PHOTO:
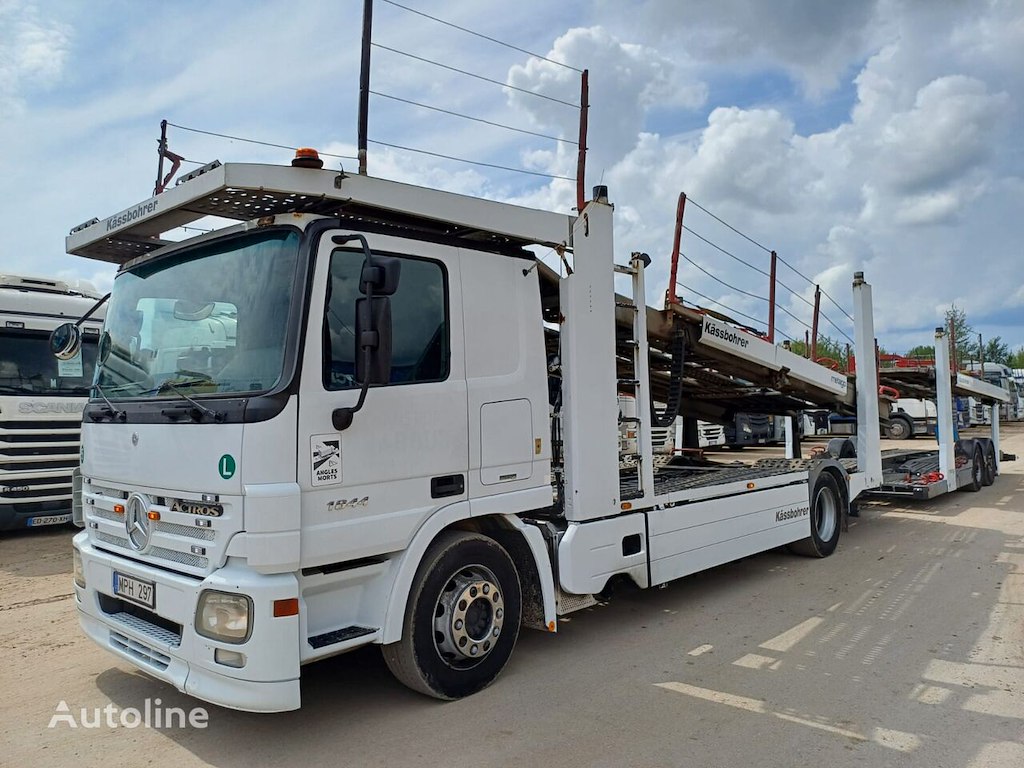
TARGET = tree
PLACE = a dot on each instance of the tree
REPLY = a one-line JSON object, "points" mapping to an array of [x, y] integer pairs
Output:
{"points": [[827, 349], [996, 351], [1016, 360], [922, 352], [965, 340]]}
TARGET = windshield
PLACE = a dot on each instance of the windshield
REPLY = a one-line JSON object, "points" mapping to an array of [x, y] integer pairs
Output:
{"points": [[28, 368], [211, 320]]}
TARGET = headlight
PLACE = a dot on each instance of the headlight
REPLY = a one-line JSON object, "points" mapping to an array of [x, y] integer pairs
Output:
{"points": [[76, 559], [223, 616]]}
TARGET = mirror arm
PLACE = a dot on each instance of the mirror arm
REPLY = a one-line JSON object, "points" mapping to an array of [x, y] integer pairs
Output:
{"points": [[341, 418], [95, 306]]}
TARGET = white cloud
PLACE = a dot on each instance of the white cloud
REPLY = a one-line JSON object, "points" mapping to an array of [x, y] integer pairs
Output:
{"points": [[626, 81], [33, 52], [911, 172]]}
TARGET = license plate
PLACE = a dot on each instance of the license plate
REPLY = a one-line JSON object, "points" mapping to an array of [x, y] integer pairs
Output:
{"points": [[135, 590], [48, 520]]}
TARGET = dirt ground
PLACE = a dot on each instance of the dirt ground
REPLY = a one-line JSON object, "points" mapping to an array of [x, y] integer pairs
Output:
{"points": [[905, 648]]}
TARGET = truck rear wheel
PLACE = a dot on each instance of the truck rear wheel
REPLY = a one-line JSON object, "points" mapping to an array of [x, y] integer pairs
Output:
{"points": [[991, 470], [977, 471], [462, 618], [825, 519]]}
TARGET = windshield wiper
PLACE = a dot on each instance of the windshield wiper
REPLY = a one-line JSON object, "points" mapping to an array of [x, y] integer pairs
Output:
{"points": [[12, 389], [115, 414], [198, 410]]}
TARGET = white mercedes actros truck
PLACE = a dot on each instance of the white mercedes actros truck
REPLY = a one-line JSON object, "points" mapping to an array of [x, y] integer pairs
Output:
{"points": [[369, 413], [41, 398]]}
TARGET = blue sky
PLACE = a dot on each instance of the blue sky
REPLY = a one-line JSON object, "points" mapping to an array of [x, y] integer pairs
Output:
{"points": [[880, 136]]}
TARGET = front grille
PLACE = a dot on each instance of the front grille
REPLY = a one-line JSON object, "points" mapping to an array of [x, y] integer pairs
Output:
{"points": [[191, 531], [161, 553], [50, 438], [139, 651], [22, 466], [117, 541], [183, 558], [39, 426]]}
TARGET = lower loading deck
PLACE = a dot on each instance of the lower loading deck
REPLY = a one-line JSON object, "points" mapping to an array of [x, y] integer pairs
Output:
{"points": [[915, 473], [673, 479]]}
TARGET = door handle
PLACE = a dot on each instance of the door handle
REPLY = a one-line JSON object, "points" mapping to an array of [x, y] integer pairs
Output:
{"points": [[447, 485]]}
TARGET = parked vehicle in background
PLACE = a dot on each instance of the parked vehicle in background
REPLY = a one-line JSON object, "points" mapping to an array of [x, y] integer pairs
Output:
{"points": [[41, 398], [911, 417], [1000, 376]]}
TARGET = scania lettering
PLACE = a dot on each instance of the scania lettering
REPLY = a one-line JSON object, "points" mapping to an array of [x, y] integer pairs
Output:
{"points": [[366, 381], [41, 399]]}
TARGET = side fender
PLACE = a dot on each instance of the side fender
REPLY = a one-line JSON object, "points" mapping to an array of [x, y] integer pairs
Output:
{"points": [[447, 517]]}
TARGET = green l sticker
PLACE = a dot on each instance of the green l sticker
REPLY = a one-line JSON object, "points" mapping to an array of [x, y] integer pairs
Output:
{"points": [[226, 466]]}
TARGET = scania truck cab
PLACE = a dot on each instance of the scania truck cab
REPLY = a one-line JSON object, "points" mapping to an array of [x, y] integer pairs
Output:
{"points": [[41, 398]]}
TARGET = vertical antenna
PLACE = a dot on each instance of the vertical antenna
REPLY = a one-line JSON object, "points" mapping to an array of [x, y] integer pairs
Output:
{"points": [[814, 330], [364, 84], [160, 151]]}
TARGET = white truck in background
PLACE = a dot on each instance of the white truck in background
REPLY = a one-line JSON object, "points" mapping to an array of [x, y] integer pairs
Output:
{"points": [[910, 417], [41, 398], [998, 375]]}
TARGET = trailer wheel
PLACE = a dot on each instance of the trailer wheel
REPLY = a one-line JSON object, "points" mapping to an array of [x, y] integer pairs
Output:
{"points": [[977, 471], [991, 469], [462, 619], [900, 428], [825, 519]]}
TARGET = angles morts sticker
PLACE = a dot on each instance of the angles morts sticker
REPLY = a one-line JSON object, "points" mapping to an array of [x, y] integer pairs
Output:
{"points": [[325, 459]]}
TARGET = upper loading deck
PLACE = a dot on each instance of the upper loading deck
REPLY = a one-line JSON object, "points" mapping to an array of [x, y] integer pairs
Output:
{"points": [[727, 368]]}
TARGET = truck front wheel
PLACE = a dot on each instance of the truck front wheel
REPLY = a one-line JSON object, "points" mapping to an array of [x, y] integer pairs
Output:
{"points": [[462, 618], [900, 428]]}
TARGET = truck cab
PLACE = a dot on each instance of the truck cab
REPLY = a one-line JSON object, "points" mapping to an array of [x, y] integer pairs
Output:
{"points": [[41, 398]]}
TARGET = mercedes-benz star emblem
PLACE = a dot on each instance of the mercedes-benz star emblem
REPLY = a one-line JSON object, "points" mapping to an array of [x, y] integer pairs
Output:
{"points": [[136, 521], [135, 438]]}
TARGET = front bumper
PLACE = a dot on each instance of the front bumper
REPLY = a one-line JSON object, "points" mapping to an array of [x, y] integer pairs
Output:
{"points": [[163, 642]]}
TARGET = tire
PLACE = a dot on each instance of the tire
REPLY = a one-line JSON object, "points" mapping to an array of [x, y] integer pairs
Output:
{"points": [[991, 470], [736, 446], [826, 503], [841, 448], [465, 580], [900, 429], [977, 471]]}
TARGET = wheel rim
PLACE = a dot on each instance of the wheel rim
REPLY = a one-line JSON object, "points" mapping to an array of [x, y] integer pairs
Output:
{"points": [[825, 513], [898, 429], [990, 463], [468, 617], [978, 471]]}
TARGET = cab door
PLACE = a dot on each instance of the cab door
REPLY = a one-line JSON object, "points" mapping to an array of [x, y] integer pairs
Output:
{"points": [[367, 489]]}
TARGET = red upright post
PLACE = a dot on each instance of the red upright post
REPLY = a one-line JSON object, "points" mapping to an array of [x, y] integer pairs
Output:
{"points": [[581, 155], [670, 292]]}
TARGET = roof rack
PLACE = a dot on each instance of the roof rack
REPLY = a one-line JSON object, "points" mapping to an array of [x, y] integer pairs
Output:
{"points": [[246, 191]]}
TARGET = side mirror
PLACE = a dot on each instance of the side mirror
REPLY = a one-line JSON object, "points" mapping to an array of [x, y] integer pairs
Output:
{"points": [[373, 332], [383, 274], [66, 341]]}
